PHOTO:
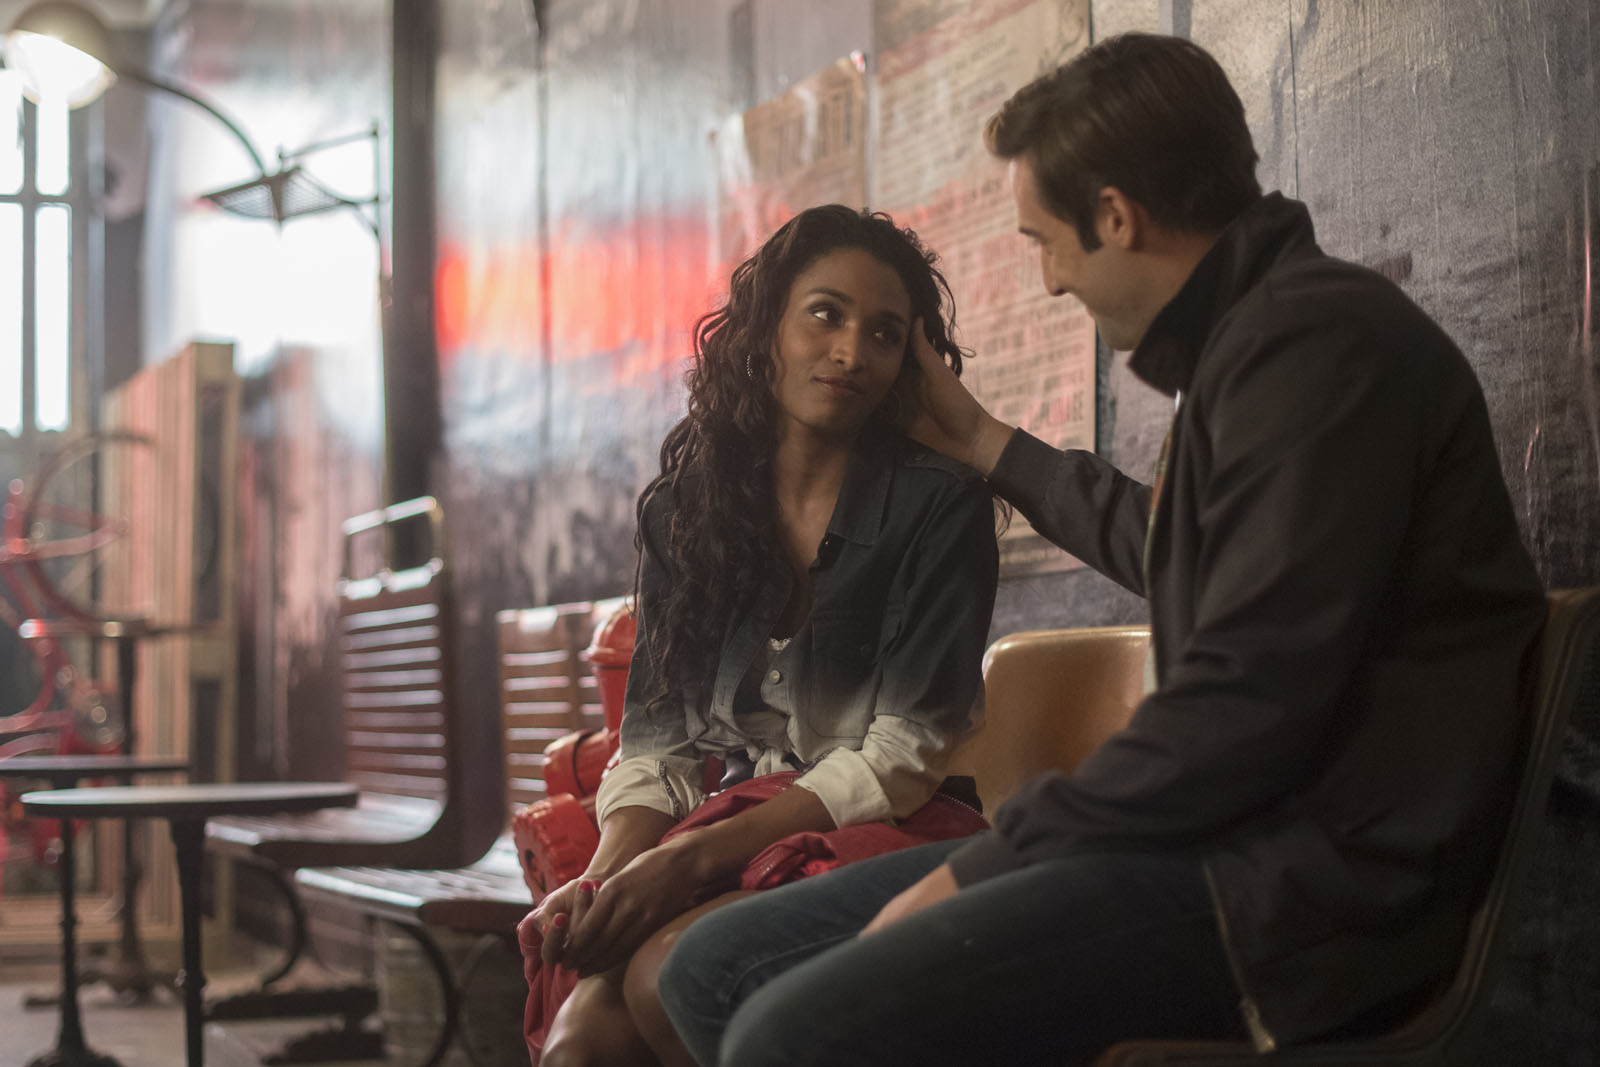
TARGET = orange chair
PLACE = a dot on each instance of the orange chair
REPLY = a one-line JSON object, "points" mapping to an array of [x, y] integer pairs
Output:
{"points": [[1052, 697]]}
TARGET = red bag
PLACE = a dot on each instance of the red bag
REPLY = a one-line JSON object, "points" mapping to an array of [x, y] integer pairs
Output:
{"points": [[788, 859]]}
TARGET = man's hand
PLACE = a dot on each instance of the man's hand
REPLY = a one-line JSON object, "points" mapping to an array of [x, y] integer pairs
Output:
{"points": [[948, 419], [938, 884]]}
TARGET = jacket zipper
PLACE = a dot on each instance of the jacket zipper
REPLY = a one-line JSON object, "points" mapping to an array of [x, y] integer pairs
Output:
{"points": [[1260, 1036]]}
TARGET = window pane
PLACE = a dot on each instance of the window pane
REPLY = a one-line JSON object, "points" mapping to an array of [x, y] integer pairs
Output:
{"points": [[53, 168], [52, 316], [11, 318], [10, 132]]}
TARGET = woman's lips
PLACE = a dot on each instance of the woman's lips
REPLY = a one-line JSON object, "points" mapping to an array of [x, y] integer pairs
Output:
{"points": [[839, 387]]}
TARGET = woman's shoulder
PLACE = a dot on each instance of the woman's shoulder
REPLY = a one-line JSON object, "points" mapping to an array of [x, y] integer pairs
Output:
{"points": [[925, 466]]}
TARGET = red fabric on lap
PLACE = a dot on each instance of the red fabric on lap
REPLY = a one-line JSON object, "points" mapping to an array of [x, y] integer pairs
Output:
{"points": [[788, 859]]}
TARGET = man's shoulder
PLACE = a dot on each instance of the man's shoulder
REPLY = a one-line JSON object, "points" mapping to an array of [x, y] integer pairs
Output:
{"points": [[1347, 312]]}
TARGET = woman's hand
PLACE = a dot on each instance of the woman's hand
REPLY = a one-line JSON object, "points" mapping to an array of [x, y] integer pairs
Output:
{"points": [[656, 887], [948, 418], [557, 913]]}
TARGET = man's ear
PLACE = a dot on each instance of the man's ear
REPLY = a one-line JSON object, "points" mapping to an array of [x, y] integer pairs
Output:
{"points": [[1119, 220]]}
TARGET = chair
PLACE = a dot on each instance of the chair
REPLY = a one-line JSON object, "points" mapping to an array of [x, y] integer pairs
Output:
{"points": [[1447, 1030], [1052, 696]]}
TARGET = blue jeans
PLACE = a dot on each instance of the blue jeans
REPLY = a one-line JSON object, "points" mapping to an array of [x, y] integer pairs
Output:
{"points": [[1049, 963]]}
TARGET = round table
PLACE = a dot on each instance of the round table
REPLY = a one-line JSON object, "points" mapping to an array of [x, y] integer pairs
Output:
{"points": [[63, 772], [186, 808], [127, 972]]}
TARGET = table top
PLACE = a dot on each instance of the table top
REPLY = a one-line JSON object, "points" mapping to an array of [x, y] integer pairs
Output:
{"points": [[74, 626], [191, 801], [72, 768]]}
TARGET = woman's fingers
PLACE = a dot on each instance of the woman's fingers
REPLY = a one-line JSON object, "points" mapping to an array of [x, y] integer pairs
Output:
{"points": [[595, 934], [555, 939], [582, 899]]}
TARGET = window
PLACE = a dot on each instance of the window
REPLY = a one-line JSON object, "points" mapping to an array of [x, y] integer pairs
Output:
{"points": [[43, 208]]}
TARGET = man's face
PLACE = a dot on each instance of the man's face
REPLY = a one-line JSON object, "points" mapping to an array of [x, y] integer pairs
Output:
{"points": [[1102, 279]]}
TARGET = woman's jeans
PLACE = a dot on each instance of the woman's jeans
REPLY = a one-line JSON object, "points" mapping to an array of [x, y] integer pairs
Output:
{"points": [[1049, 963]]}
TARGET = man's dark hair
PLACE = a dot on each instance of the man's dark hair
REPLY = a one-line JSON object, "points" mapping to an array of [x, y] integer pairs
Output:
{"points": [[1153, 116]]}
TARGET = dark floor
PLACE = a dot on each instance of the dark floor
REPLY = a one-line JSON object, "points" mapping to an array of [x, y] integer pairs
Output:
{"points": [[137, 1035]]}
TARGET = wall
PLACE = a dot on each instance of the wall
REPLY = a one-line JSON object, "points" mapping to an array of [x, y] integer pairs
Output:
{"points": [[1450, 144], [301, 301]]}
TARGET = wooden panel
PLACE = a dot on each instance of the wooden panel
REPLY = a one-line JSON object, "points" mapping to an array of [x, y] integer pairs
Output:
{"points": [[397, 728], [542, 695]]}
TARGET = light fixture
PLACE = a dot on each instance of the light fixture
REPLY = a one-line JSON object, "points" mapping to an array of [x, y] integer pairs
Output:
{"points": [[62, 50]]}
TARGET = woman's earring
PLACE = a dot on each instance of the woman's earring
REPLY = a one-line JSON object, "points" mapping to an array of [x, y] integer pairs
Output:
{"points": [[750, 365]]}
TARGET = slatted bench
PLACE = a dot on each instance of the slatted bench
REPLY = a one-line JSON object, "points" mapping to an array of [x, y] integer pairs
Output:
{"points": [[545, 692], [407, 746]]}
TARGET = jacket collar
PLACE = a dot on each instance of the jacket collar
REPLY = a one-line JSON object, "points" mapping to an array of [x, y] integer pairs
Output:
{"points": [[1270, 230], [858, 514]]}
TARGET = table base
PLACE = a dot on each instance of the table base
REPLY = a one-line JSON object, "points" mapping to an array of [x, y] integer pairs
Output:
{"points": [[66, 1057]]}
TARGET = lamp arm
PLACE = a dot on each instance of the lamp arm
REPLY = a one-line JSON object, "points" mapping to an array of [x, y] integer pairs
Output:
{"points": [[151, 82]]}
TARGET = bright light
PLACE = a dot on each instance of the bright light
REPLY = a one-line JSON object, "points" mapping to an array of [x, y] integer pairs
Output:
{"points": [[51, 167], [11, 319], [51, 68], [10, 132], [52, 330]]}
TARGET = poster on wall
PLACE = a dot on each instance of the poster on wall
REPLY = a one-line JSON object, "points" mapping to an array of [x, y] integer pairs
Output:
{"points": [[805, 146], [1033, 362]]}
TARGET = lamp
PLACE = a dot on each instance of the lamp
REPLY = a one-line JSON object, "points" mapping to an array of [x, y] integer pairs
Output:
{"points": [[62, 50]]}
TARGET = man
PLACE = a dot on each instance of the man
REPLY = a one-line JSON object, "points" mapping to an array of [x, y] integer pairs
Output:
{"points": [[1290, 835]]}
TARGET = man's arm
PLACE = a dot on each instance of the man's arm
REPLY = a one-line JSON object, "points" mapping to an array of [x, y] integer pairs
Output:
{"points": [[1316, 454], [1074, 499]]}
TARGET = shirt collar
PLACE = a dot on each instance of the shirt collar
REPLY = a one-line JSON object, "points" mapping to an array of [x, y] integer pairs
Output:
{"points": [[1269, 230]]}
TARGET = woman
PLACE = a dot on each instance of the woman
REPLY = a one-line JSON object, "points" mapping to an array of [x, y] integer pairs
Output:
{"points": [[814, 594]]}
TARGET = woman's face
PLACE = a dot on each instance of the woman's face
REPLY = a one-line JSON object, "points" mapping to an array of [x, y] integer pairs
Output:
{"points": [[841, 342]]}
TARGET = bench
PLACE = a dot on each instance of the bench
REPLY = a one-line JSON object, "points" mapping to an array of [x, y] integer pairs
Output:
{"points": [[1452, 1027], [407, 746], [545, 692]]}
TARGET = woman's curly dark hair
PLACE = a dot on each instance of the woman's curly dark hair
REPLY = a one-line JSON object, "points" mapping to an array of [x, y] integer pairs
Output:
{"points": [[716, 480]]}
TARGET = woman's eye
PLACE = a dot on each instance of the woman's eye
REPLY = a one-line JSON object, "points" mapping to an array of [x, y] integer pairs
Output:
{"points": [[890, 338], [825, 312]]}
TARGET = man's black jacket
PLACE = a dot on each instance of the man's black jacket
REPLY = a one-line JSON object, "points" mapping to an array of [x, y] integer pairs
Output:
{"points": [[1340, 608]]}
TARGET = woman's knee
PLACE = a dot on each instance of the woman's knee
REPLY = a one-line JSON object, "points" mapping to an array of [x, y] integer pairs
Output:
{"points": [[641, 992], [593, 1029]]}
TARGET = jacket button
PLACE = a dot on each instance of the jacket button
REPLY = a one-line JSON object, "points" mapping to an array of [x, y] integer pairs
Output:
{"points": [[774, 676], [865, 650]]}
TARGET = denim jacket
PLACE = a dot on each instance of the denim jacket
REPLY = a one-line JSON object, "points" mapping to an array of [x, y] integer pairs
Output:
{"points": [[903, 587]]}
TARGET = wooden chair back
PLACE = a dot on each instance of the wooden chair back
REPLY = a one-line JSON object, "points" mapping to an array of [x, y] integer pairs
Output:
{"points": [[544, 688], [402, 737]]}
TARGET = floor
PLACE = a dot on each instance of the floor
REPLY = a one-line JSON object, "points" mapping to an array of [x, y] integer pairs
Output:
{"points": [[152, 1034], [136, 1035]]}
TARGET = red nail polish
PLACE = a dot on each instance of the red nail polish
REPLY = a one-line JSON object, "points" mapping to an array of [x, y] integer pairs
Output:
{"points": [[560, 920]]}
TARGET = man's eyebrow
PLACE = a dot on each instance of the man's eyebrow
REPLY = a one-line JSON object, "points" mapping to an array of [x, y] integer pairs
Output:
{"points": [[1029, 231]]}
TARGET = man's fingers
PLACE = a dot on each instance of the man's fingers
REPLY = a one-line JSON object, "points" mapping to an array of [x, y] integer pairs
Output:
{"points": [[922, 349]]}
